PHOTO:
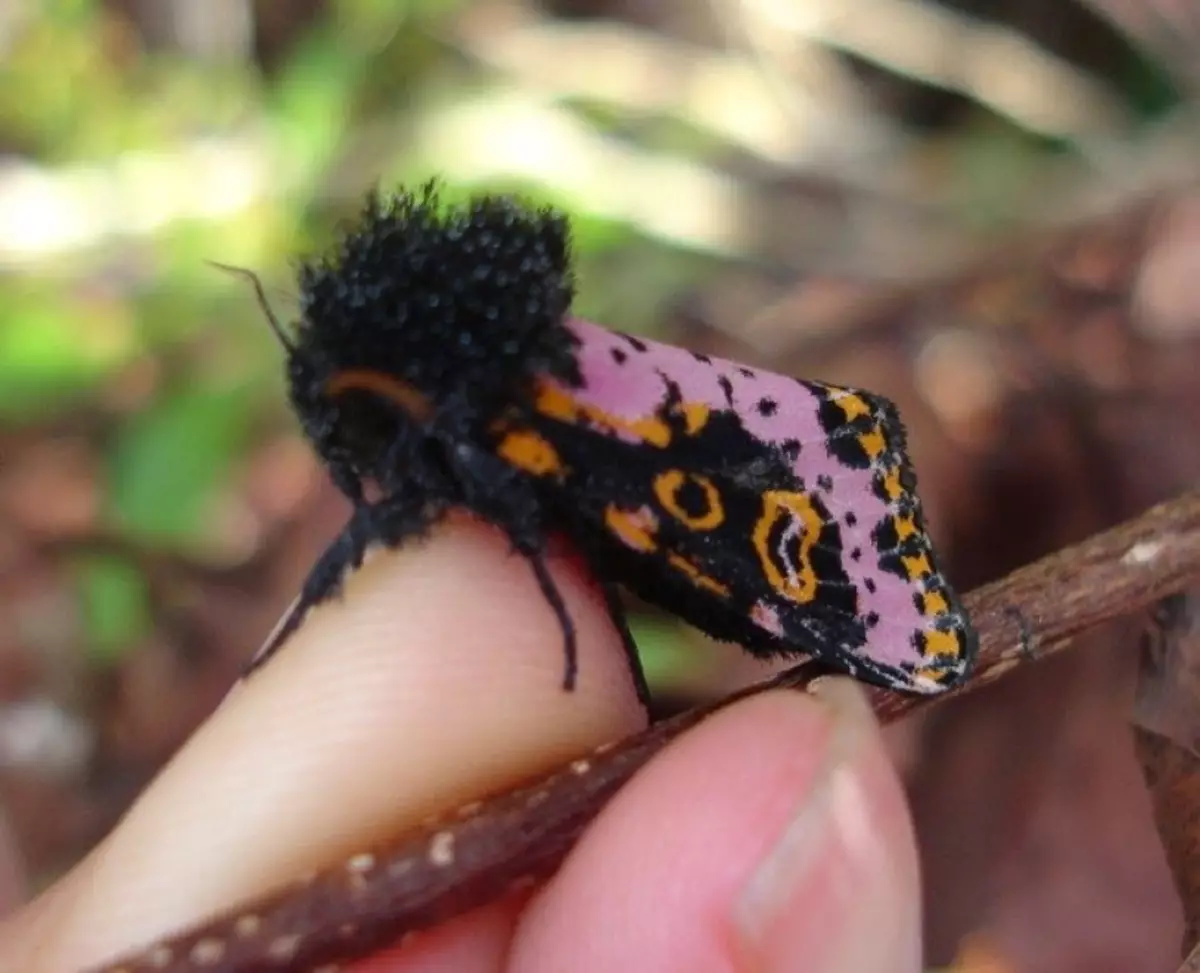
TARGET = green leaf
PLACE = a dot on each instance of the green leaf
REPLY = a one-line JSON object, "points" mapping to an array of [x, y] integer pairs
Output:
{"points": [[662, 647], [50, 349], [168, 462], [115, 604]]}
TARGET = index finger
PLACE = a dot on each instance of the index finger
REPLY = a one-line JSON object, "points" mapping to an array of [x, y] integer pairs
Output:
{"points": [[437, 679]]}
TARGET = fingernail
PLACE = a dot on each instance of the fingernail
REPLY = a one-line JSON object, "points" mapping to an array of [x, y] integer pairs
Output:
{"points": [[838, 891]]}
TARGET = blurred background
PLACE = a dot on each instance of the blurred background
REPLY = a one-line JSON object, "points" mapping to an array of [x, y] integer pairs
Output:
{"points": [[981, 208]]}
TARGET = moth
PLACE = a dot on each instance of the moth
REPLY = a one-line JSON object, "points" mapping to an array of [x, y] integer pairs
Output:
{"points": [[435, 358]]}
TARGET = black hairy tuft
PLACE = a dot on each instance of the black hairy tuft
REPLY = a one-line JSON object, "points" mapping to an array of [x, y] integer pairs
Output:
{"points": [[466, 299], [464, 304]]}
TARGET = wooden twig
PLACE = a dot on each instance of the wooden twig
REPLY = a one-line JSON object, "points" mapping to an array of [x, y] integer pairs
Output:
{"points": [[483, 851]]}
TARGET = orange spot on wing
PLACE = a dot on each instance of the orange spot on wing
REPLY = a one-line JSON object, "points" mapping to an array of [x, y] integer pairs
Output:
{"points": [[942, 645], [698, 577], [555, 402], [528, 451], [892, 485], [934, 603], [853, 404], [872, 442], [695, 416], [795, 580], [634, 528], [667, 486], [918, 566], [905, 527]]}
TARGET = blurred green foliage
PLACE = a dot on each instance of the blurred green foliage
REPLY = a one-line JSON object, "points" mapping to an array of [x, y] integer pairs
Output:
{"points": [[168, 460], [114, 603]]}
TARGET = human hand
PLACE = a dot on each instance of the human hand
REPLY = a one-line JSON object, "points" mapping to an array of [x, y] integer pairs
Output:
{"points": [[772, 837]]}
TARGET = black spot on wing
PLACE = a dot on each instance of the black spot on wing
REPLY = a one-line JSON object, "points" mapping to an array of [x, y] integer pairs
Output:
{"points": [[727, 388]]}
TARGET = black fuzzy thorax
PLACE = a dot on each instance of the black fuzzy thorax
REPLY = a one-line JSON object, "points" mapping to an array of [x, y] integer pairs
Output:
{"points": [[465, 304]]}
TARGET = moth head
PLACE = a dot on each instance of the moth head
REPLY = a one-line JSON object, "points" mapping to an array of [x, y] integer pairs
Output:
{"points": [[359, 421], [353, 418], [420, 312]]}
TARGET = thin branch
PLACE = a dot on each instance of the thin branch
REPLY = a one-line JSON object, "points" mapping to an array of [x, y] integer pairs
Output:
{"points": [[511, 841]]}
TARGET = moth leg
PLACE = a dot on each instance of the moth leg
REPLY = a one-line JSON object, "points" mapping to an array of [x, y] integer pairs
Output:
{"points": [[537, 561], [616, 612], [343, 554], [498, 494]]}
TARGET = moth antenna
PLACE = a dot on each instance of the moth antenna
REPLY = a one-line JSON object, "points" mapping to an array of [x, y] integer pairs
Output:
{"points": [[256, 283]]}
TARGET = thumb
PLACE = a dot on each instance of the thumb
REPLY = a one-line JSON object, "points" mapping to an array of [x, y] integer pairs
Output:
{"points": [[772, 837]]}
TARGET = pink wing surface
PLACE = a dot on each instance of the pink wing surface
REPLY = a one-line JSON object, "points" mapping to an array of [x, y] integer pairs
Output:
{"points": [[776, 512]]}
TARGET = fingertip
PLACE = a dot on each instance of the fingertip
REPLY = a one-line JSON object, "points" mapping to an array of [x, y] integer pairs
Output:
{"points": [[838, 891], [676, 861], [435, 680]]}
